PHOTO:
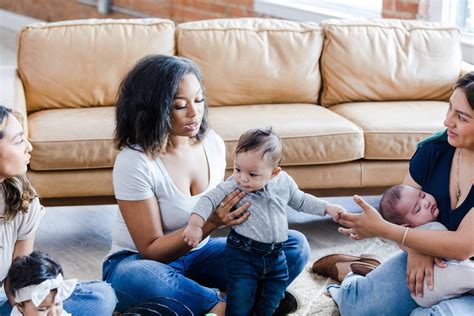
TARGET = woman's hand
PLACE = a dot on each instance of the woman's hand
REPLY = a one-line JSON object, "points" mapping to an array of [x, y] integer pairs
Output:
{"points": [[367, 224], [419, 268], [223, 216]]}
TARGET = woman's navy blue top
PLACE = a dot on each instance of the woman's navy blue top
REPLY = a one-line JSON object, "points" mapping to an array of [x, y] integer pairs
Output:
{"points": [[430, 167]]}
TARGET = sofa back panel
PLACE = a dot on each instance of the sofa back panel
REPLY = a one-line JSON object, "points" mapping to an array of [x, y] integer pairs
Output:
{"points": [[388, 60], [376, 173], [254, 61], [392, 129], [81, 63], [311, 134], [68, 139]]}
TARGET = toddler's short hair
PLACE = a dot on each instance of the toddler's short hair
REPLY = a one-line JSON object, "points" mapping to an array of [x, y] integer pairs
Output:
{"points": [[261, 139], [388, 205]]}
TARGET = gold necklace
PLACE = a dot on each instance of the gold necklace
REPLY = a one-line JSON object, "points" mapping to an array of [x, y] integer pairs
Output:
{"points": [[458, 189]]}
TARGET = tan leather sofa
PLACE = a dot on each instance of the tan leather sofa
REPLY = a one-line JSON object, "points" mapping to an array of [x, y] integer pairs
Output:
{"points": [[350, 99]]}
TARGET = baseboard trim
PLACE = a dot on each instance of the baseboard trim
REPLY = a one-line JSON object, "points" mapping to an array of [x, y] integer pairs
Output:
{"points": [[82, 200]]}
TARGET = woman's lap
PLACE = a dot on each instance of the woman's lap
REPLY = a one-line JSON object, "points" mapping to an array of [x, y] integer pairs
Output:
{"points": [[463, 305], [384, 292], [381, 292], [137, 281], [191, 278]]}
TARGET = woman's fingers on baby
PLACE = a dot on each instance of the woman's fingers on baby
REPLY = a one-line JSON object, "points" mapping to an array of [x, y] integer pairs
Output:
{"points": [[420, 277], [346, 216], [233, 198], [429, 279], [240, 214], [345, 231], [411, 281], [362, 203], [345, 222], [229, 198]]}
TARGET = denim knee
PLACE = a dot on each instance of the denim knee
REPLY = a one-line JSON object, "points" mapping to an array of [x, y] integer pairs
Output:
{"points": [[297, 253], [299, 241], [105, 294], [91, 297]]}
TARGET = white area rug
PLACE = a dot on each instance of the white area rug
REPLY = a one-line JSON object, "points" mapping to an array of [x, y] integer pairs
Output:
{"points": [[311, 288]]}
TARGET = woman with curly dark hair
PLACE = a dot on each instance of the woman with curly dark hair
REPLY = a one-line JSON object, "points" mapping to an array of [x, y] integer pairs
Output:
{"points": [[169, 158]]}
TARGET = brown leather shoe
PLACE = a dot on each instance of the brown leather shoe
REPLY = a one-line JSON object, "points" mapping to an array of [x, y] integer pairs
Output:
{"points": [[334, 270], [362, 268], [337, 266]]}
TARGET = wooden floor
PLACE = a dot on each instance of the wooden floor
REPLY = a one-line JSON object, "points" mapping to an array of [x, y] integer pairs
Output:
{"points": [[78, 237]]}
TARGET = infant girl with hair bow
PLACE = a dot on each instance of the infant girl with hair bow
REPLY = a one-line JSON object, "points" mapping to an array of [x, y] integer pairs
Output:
{"points": [[38, 286]]}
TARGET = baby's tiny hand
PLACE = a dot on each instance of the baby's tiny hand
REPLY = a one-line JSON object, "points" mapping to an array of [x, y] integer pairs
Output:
{"points": [[192, 235], [335, 211]]}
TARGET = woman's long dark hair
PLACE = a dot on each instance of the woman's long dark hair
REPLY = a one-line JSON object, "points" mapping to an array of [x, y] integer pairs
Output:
{"points": [[145, 103], [466, 84], [18, 190]]}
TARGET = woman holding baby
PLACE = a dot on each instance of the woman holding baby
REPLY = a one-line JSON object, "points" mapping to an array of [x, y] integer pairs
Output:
{"points": [[169, 158], [442, 166]]}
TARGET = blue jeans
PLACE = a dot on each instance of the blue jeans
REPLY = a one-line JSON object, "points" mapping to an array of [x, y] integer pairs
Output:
{"points": [[384, 292], [194, 279], [88, 298], [250, 266]]}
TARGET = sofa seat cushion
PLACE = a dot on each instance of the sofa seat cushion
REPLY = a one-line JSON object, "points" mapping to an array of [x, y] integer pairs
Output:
{"points": [[311, 134], [67, 139], [392, 129]]}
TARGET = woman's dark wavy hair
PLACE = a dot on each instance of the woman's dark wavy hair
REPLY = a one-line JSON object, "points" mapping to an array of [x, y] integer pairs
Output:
{"points": [[18, 191], [145, 103], [466, 84], [32, 269]]}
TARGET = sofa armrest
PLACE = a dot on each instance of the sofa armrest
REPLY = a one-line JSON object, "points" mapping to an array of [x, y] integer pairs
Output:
{"points": [[12, 94], [466, 67]]}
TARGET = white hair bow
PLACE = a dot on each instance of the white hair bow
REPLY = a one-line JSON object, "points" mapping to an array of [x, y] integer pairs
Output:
{"points": [[38, 292]]}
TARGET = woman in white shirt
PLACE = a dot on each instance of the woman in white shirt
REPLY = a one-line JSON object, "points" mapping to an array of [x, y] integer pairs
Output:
{"points": [[168, 159], [20, 216]]}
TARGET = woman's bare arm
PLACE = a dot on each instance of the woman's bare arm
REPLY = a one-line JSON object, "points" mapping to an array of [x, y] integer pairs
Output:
{"points": [[22, 248], [143, 220], [456, 245]]}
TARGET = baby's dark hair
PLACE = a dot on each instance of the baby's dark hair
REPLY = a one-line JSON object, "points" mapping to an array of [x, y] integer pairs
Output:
{"points": [[388, 205], [261, 139], [32, 269]]}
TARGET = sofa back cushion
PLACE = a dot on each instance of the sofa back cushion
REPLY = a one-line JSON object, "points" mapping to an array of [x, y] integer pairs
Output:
{"points": [[254, 61], [80, 63], [388, 60]]}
